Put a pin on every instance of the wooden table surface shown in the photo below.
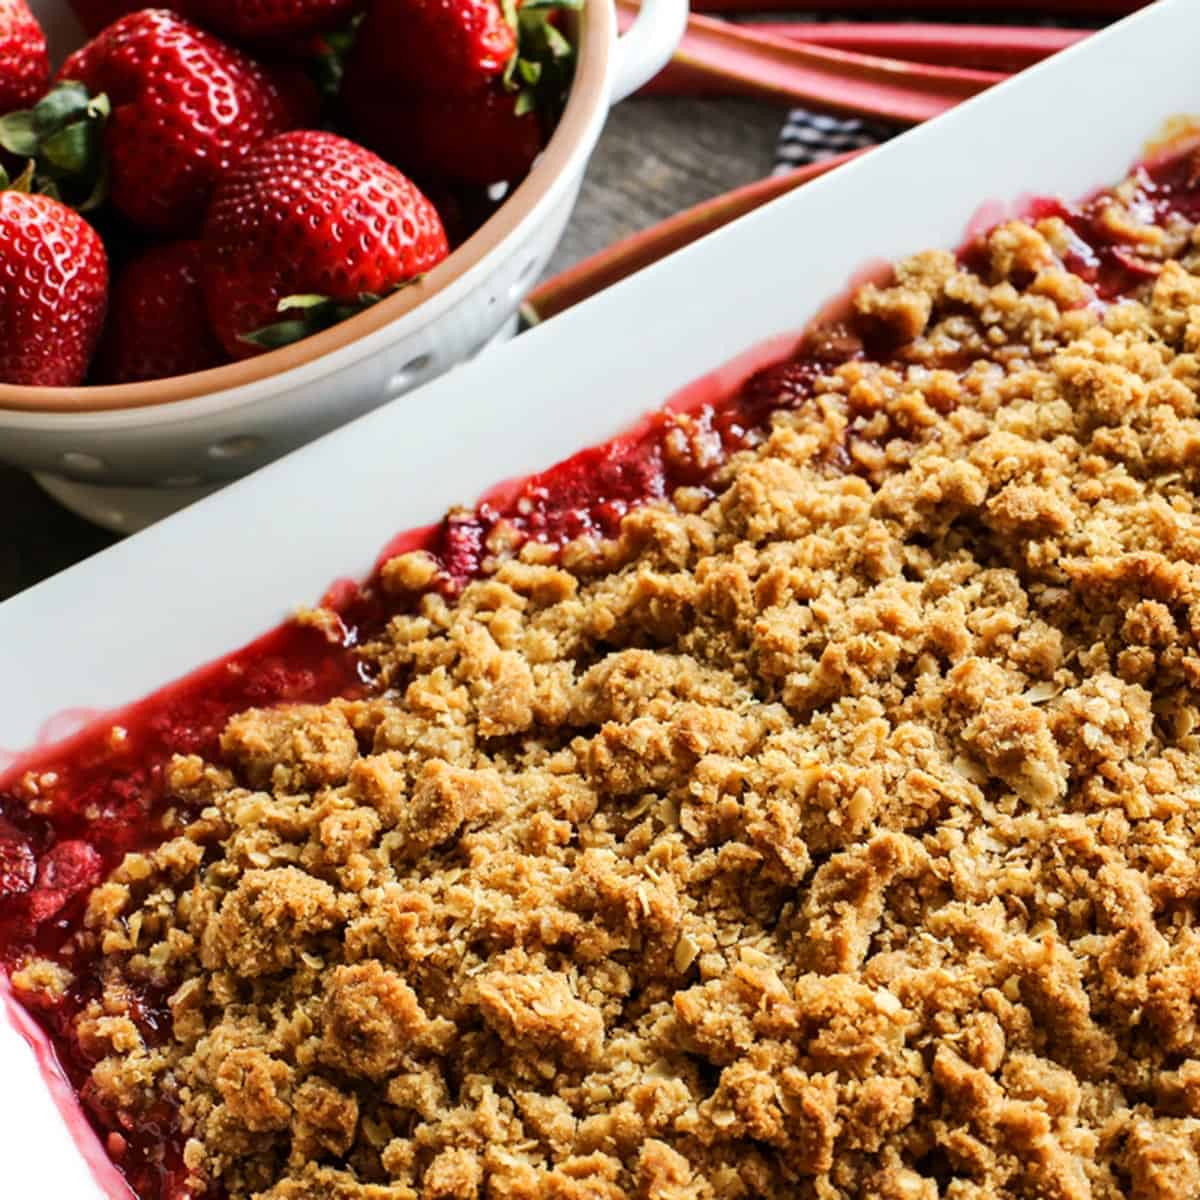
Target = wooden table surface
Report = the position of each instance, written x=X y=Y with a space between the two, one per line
x=655 y=158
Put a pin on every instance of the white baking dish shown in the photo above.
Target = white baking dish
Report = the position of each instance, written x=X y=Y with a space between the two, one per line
x=209 y=579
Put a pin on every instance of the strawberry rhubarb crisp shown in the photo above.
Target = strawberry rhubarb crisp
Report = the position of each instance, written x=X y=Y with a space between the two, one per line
x=796 y=799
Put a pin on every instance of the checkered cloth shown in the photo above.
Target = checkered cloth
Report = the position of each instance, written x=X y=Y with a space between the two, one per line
x=808 y=137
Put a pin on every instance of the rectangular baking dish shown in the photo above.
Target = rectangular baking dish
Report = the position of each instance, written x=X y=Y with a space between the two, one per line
x=210 y=579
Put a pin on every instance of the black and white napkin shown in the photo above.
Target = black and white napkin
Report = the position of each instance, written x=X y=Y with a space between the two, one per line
x=808 y=137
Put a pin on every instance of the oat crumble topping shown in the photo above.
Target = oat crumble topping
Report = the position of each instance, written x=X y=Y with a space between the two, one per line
x=834 y=837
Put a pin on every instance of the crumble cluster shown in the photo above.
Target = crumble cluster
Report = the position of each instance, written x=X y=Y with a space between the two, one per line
x=835 y=837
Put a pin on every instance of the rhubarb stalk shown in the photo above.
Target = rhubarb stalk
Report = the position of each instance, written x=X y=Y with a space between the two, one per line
x=1076 y=9
x=640 y=250
x=984 y=47
x=717 y=58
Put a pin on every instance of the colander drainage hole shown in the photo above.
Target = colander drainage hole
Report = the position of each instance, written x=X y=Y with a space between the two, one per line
x=77 y=460
x=234 y=447
x=404 y=378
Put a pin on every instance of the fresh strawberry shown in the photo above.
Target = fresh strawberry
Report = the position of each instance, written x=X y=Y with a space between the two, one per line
x=457 y=210
x=271 y=20
x=95 y=15
x=157 y=323
x=53 y=288
x=423 y=46
x=476 y=139
x=185 y=108
x=310 y=215
x=24 y=62
x=61 y=139
x=320 y=56
x=463 y=123
x=301 y=96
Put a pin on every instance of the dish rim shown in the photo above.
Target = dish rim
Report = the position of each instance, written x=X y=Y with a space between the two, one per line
x=108 y=654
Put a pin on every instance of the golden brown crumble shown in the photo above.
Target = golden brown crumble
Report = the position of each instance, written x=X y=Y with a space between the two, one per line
x=835 y=838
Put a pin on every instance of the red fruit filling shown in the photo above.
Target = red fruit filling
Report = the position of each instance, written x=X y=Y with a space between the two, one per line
x=67 y=817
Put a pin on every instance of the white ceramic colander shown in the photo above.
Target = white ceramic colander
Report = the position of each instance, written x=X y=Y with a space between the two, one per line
x=125 y=455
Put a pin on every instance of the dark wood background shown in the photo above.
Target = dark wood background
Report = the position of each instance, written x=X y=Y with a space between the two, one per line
x=654 y=158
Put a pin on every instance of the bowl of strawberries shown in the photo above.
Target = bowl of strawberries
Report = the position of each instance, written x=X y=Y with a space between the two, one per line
x=230 y=226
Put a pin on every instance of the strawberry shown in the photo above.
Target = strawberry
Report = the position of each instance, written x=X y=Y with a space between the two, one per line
x=422 y=46
x=24 y=61
x=316 y=218
x=477 y=139
x=95 y=15
x=157 y=323
x=301 y=95
x=69 y=870
x=457 y=116
x=271 y=20
x=53 y=288
x=62 y=138
x=185 y=108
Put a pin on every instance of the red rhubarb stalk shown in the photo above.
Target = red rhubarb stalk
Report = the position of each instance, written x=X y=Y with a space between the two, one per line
x=984 y=47
x=715 y=79
x=1078 y=9
x=717 y=58
x=640 y=250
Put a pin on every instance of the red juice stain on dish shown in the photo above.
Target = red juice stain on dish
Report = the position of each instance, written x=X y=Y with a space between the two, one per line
x=67 y=816
x=58 y=729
